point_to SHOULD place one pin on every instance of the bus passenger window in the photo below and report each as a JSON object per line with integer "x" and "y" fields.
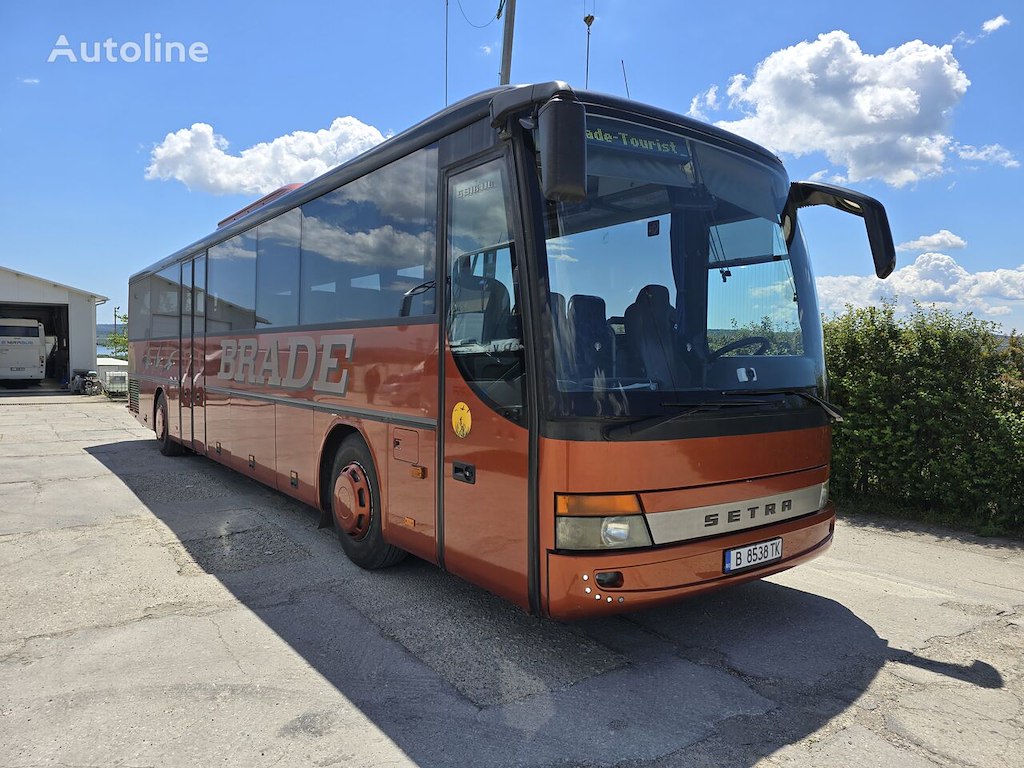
{"x": 231, "y": 293}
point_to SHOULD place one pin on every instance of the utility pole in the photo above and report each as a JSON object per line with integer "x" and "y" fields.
{"x": 506, "y": 43}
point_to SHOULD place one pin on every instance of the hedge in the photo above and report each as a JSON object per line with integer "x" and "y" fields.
{"x": 935, "y": 417}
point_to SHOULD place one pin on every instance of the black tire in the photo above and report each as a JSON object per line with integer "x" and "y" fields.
{"x": 354, "y": 495}
{"x": 163, "y": 431}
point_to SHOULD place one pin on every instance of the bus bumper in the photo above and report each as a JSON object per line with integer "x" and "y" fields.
{"x": 656, "y": 576}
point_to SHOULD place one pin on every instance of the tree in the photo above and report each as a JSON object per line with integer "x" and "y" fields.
{"x": 117, "y": 340}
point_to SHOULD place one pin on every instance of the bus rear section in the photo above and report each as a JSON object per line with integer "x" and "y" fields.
{"x": 22, "y": 350}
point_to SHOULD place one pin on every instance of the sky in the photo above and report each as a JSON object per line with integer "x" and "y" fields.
{"x": 108, "y": 166}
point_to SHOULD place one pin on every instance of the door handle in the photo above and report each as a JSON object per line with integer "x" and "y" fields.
{"x": 464, "y": 473}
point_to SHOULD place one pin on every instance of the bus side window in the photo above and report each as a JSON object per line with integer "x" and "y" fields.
{"x": 483, "y": 333}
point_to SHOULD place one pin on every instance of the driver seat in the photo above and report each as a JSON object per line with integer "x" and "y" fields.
{"x": 652, "y": 340}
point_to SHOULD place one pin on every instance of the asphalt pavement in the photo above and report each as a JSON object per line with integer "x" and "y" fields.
{"x": 168, "y": 612}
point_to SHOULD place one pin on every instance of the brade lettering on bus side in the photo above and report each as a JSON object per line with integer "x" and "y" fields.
{"x": 242, "y": 360}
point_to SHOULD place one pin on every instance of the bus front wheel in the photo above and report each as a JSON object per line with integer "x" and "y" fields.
{"x": 355, "y": 507}
{"x": 163, "y": 431}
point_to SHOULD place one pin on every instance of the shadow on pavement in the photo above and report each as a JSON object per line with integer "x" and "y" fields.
{"x": 455, "y": 676}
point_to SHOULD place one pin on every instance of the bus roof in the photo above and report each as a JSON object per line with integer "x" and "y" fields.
{"x": 498, "y": 103}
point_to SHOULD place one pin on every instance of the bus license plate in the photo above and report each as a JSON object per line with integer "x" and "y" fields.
{"x": 753, "y": 554}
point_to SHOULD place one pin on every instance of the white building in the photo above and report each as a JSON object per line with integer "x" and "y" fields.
{"x": 68, "y": 314}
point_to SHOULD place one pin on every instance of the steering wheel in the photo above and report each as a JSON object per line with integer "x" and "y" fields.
{"x": 746, "y": 341}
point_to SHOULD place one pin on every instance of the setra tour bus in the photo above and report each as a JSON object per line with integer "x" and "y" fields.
{"x": 22, "y": 350}
{"x": 561, "y": 344}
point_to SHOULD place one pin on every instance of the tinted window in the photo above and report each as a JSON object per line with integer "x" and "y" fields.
{"x": 20, "y": 331}
{"x": 366, "y": 244}
{"x": 231, "y": 290}
{"x": 138, "y": 309}
{"x": 199, "y": 288}
{"x": 186, "y": 299}
{"x": 277, "y": 271}
{"x": 166, "y": 294}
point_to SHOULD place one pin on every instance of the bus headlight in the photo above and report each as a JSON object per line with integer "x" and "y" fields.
{"x": 823, "y": 499}
{"x": 590, "y": 522}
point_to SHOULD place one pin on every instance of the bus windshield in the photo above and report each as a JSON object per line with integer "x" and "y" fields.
{"x": 676, "y": 279}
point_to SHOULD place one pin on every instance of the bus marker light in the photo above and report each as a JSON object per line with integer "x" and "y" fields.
{"x": 252, "y": 461}
{"x": 577, "y": 505}
{"x": 420, "y": 473}
{"x": 293, "y": 479}
{"x": 408, "y": 522}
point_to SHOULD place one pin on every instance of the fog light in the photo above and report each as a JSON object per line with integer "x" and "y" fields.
{"x": 609, "y": 579}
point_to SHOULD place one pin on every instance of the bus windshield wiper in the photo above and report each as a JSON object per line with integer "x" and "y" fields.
{"x": 639, "y": 427}
{"x": 835, "y": 415}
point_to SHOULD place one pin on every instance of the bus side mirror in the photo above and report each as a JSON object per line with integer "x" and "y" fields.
{"x": 561, "y": 136}
{"x": 883, "y": 252}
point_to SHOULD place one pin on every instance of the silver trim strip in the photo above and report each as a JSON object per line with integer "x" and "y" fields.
{"x": 714, "y": 519}
{"x": 341, "y": 410}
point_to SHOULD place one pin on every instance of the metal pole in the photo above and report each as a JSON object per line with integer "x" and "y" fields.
{"x": 446, "y": 53}
{"x": 506, "y": 43}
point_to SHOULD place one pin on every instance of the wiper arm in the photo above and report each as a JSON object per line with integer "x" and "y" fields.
{"x": 644, "y": 425}
{"x": 835, "y": 415}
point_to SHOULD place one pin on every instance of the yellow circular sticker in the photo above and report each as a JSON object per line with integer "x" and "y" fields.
{"x": 462, "y": 419}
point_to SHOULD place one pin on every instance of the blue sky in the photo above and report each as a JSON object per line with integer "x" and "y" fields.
{"x": 109, "y": 166}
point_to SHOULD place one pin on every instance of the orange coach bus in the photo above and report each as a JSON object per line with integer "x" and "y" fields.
{"x": 563, "y": 345}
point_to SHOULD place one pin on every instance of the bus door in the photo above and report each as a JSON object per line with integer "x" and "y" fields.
{"x": 193, "y": 368}
{"x": 483, "y": 525}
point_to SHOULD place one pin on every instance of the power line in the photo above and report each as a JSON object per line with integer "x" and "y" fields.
{"x": 480, "y": 26}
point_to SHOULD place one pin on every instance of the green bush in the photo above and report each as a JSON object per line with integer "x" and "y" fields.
{"x": 935, "y": 416}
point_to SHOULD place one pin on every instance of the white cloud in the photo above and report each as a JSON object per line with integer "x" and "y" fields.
{"x": 828, "y": 176}
{"x": 990, "y": 153}
{"x": 560, "y": 249}
{"x": 708, "y": 100}
{"x": 198, "y": 157}
{"x": 487, "y": 50}
{"x": 992, "y": 25}
{"x": 933, "y": 278}
{"x": 28, "y": 80}
{"x": 943, "y": 239}
{"x": 879, "y": 116}
{"x": 987, "y": 28}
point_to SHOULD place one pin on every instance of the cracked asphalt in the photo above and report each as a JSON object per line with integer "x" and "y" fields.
{"x": 167, "y": 612}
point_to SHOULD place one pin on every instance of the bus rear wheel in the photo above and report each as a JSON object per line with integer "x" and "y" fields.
{"x": 355, "y": 507}
{"x": 162, "y": 428}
